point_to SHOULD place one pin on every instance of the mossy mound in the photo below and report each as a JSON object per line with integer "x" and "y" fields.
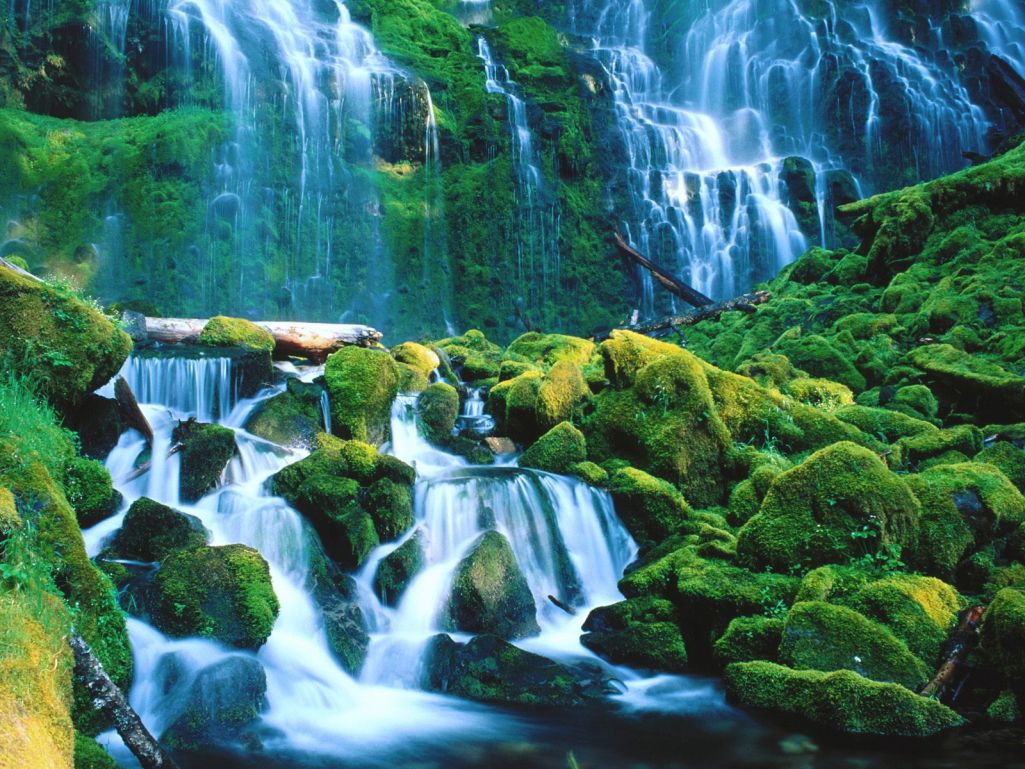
{"x": 840, "y": 503}
{"x": 984, "y": 497}
{"x": 67, "y": 347}
{"x": 292, "y": 418}
{"x": 918, "y": 449}
{"x": 422, "y": 359}
{"x": 561, "y": 395}
{"x": 152, "y": 531}
{"x": 1007, "y": 458}
{"x": 650, "y": 508}
{"x": 750, "y": 638}
{"x": 398, "y": 568}
{"x": 90, "y": 490}
{"x": 546, "y": 350}
{"x": 841, "y": 700}
{"x": 1003, "y": 637}
{"x": 490, "y": 594}
{"x": 223, "y": 593}
{"x": 557, "y": 451}
{"x": 221, "y": 331}
{"x": 437, "y": 409}
{"x": 639, "y": 632}
{"x": 354, "y": 497}
{"x": 472, "y": 356}
{"x": 823, "y": 636}
{"x": 361, "y": 384}
{"x": 972, "y": 384}
{"x": 206, "y": 451}
{"x": 90, "y": 755}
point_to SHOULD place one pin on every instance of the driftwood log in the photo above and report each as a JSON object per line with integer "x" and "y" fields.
{"x": 130, "y": 411}
{"x": 312, "y": 340}
{"x": 963, "y": 638}
{"x": 109, "y": 699}
{"x": 673, "y": 285}
{"x": 742, "y": 303}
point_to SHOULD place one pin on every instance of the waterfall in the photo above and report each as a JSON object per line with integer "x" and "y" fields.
{"x": 707, "y": 118}
{"x": 1002, "y": 24}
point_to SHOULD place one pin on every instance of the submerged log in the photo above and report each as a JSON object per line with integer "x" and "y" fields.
{"x": 962, "y": 640}
{"x": 742, "y": 303}
{"x": 312, "y": 340}
{"x": 130, "y": 410}
{"x": 109, "y": 699}
{"x": 674, "y": 286}
{"x": 562, "y": 605}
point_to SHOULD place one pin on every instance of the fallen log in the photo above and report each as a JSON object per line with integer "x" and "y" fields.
{"x": 562, "y": 605}
{"x": 674, "y": 286}
{"x": 962, "y": 640}
{"x": 742, "y": 303}
{"x": 311, "y": 340}
{"x": 15, "y": 268}
{"x": 130, "y": 410}
{"x": 146, "y": 466}
{"x": 109, "y": 699}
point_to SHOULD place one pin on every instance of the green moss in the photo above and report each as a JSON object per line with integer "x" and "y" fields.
{"x": 223, "y": 593}
{"x": 361, "y": 384}
{"x": 915, "y": 400}
{"x": 1008, "y": 458}
{"x": 89, "y": 754}
{"x": 944, "y": 535}
{"x": 884, "y": 423}
{"x": 66, "y": 347}
{"x": 820, "y": 392}
{"x": 206, "y": 451}
{"x": 221, "y": 331}
{"x": 590, "y": 473}
{"x": 152, "y": 531}
{"x": 971, "y": 383}
{"x": 489, "y": 592}
{"x": 640, "y": 632}
{"x": 398, "y": 568}
{"x": 650, "y": 508}
{"x": 390, "y": 505}
{"x": 840, "y": 503}
{"x": 822, "y": 636}
{"x": 841, "y": 700}
{"x": 513, "y": 403}
{"x": 816, "y": 355}
{"x": 562, "y": 392}
{"x": 1004, "y": 709}
{"x": 749, "y": 638}
{"x": 964, "y": 438}
{"x": 437, "y": 408}
{"x": 292, "y": 418}
{"x": 89, "y": 490}
{"x": 1003, "y": 636}
{"x": 987, "y": 501}
{"x": 557, "y": 451}
{"x": 422, "y": 359}
{"x": 9, "y": 518}
{"x": 548, "y": 349}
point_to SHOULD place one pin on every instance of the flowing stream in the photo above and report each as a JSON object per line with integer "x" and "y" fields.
{"x": 565, "y": 536}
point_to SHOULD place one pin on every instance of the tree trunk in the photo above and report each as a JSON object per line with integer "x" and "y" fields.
{"x": 109, "y": 699}
{"x": 130, "y": 410}
{"x": 312, "y": 340}
{"x": 674, "y": 286}
{"x": 962, "y": 640}
{"x": 742, "y": 303}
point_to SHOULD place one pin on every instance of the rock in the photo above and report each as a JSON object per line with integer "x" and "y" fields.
{"x": 1003, "y": 638}
{"x": 221, "y": 331}
{"x": 223, "y": 593}
{"x": 152, "y": 531}
{"x": 398, "y": 568}
{"x": 492, "y": 670}
{"x": 798, "y": 177}
{"x": 90, "y": 490}
{"x": 423, "y": 359}
{"x": 292, "y": 418}
{"x": 206, "y": 451}
{"x": 361, "y": 384}
{"x": 225, "y": 699}
{"x": 650, "y": 508}
{"x": 915, "y": 449}
{"x": 561, "y": 393}
{"x": 639, "y": 632}
{"x": 548, "y": 349}
{"x": 972, "y": 384}
{"x": 500, "y": 445}
{"x": 99, "y": 425}
{"x": 337, "y": 596}
{"x": 472, "y": 355}
{"x": 437, "y": 409}
{"x": 841, "y": 700}
{"x": 557, "y": 451}
{"x": 490, "y": 594}
{"x": 749, "y": 638}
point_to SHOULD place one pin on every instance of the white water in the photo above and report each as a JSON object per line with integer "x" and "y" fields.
{"x": 313, "y": 705}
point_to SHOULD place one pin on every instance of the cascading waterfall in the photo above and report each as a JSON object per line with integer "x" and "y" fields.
{"x": 538, "y": 261}
{"x": 1002, "y": 23}
{"x": 750, "y": 84}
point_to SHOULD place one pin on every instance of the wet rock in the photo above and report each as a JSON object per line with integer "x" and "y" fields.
{"x": 337, "y": 597}
{"x": 98, "y": 423}
{"x": 641, "y": 632}
{"x": 152, "y": 531}
{"x": 206, "y": 451}
{"x": 292, "y": 418}
{"x": 90, "y": 491}
{"x": 398, "y": 568}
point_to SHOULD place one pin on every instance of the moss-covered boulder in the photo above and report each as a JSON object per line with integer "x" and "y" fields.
{"x": 548, "y": 349}
{"x": 336, "y": 595}
{"x": 650, "y": 508}
{"x": 223, "y": 593}
{"x": 823, "y": 636}
{"x": 90, "y": 490}
{"x": 917, "y": 449}
{"x": 206, "y": 450}
{"x": 945, "y": 537}
{"x": 816, "y": 355}
{"x": 472, "y": 355}
{"x": 361, "y": 385}
{"x": 984, "y": 497}
{"x": 490, "y": 669}
{"x": 840, "y": 503}
{"x": 152, "y": 531}
{"x": 437, "y": 409}
{"x": 490, "y": 594}
{"x": 1008, "y": 458}
{"x": 225, "y": 699}
{"x": 639, "y": 632}
{"x": 398, "y": 568}
{"x": 58, "y": 340}
{"x": 750, "y": 638}
{"x": 889, "y": 425}
{"x": 222, "y": 331}
{"x": 841, "y": 700}
{"x": 421, "y": 359}
{"x": 561, "y": 394}
{"x": 971, "y": 383}
{"x": 390, "y": 505}
{"x": 1003, "y": 637}
{"x": 291, "y": 418}
{"x": 557, "y": 451}
{"x": 513, "y": 404}
{"x": 99, "y": 425}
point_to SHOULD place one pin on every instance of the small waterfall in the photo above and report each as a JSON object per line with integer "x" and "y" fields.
{"x": 206, "y": 388}
{"x": 473, "y": 419}
{"x": 538, "y": 261}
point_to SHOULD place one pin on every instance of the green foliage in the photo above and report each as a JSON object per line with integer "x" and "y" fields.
{"x": 89, "y": 755}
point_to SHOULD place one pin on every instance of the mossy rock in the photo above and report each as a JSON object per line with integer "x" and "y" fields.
{"x": 1008, "y": 458}
{"x": 822, "y": 393}
{"x": 390, "y": 505}
{"x": 889, "y": 425}
{"x": 90, "y": 755}
{"x": 916, "y": 401}
{"x": 945, "y": 537}
{"x": 152, "y": 531}
{"x": 437, "y": 409}
{"x": 590, "y": 473}
{"x": 472, "y": 355}
{"x": 557, "y": 451}
{"x": 513, "y": 403}
{"x": 398, "y": 568}
{"x": 90, "y": 491}
{"x": 1003, "y": 637}
{"x": 9, "y": 518}
{"x": 834, "y": 583}
{"x": 206, "y": 451}
{"x": 489, "y": 669}
{"x": 224, "y": 700}
{"x": 1004, "y": 709}
{"x": 222, "y": 331}
{"x": 811, "y": 512}
{"x": 99, "y": 425}
{"x": 223, "y": 593}
{"x": 769, "y": 369}
{"x": 841, "y": 700}
{"x": 983, "y": 496}
{"x": 915, "y": 449}
{"x": 639, "y": 632}
{"x": 823, "y": 636}
{"x": 361, "y": 385}
{"x": 490, "y": 594}
{"x": 337, "y": 597}
{"x": 561, "y": 394}
{"x": 650, "y": 508}
{"x": 971, "y": 383}
{"x": 422, "y": 359}
{"x": 288, "y": 419}
{"x": 548, "y": 349}
{"x": 750, "y": 638}
{"x": 816, "y": 355}
{"x": 68, "y": 348}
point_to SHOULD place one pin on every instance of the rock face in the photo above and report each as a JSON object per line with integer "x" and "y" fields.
{"x": 490, "y": 594}
{"x": 223, "y": 593}
{"x": 492, "y": 670}
{"x": 206, "y": 451}
{"x": 152, "y": 531}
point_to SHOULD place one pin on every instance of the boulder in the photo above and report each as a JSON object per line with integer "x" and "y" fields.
{"x": 639, "y": 632}
{"x": 292, "y": 418}
{"x": 1003, "y": 637}
{"x": 749, "y": 638}
{"x": 222, "y": 331}
{"x": 557, "y": 451}
{"x": 650, "y": 508}
{"x": 206, "y": 451}
{"x": 152, "y": 531}
{"x": 361, "y": 384}
{"x": 437, "y": 409}
{"x": 337, "y": 596}
{"x": 90, "y": 490}
{"x": 398, "y": 568}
